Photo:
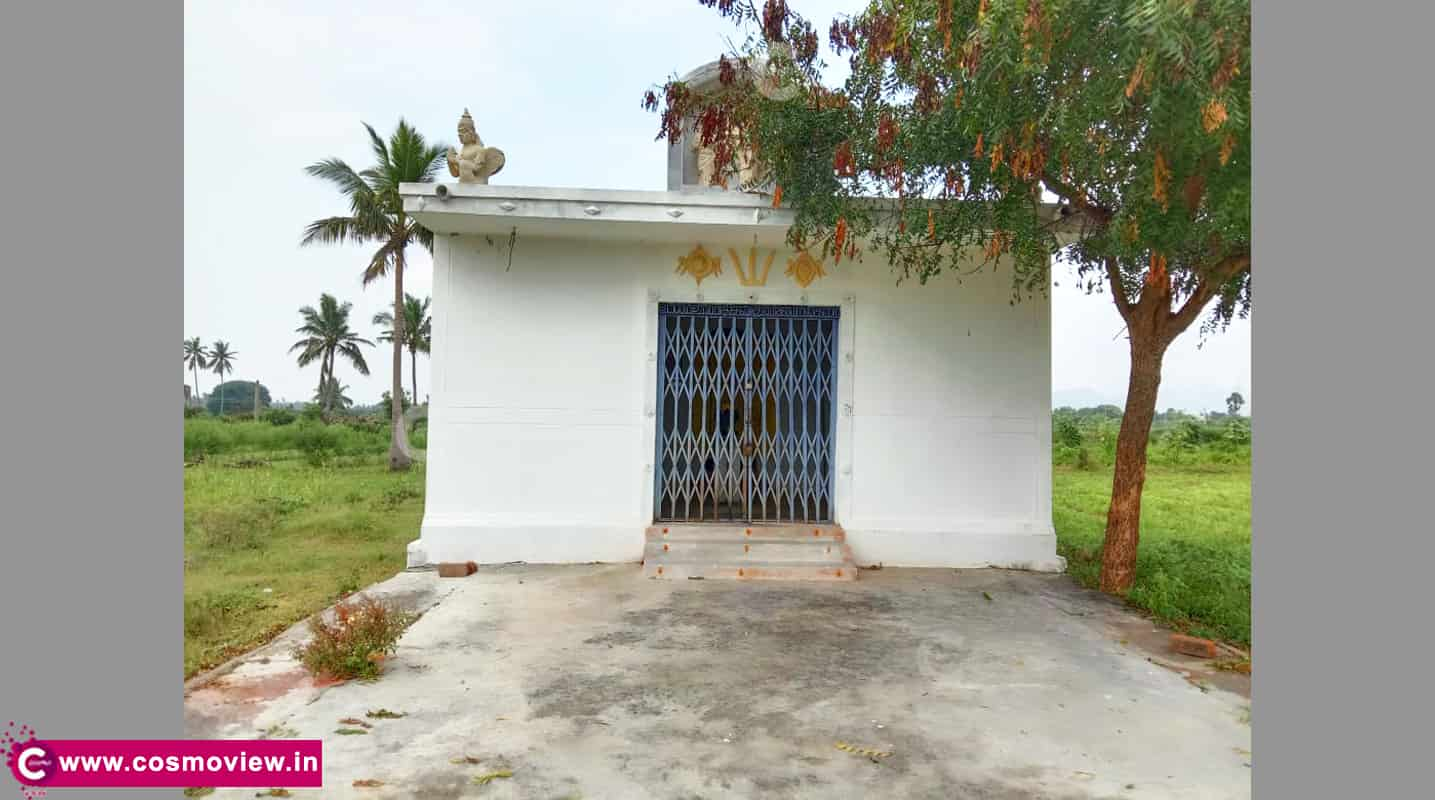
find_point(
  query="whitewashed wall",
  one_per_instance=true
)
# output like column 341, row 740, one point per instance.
column 541, row 435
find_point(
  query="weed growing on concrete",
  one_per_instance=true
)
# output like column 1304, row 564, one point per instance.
column 354, row 642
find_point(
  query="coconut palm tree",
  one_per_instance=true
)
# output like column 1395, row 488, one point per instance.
column 326, row 335
column 196, row 358
column 331, row 394
column 376, row 216
column 221, row 361
column 417, row 333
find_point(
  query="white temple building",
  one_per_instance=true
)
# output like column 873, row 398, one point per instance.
column 656, row 376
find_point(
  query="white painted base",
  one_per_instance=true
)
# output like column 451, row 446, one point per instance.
column 956, row 549
column 488, row 543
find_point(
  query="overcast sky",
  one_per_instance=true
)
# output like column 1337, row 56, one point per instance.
column 270, row 87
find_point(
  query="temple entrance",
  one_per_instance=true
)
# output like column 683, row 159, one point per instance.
column 745, row 417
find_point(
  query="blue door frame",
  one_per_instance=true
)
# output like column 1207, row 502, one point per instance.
column 746, row 413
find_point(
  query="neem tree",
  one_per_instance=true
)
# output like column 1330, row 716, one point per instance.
column 960, row 117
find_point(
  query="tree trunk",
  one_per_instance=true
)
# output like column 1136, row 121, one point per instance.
column 324, row 375
column 198, row 398
column 1123, row 519
column 219, row 389
column 414, row 372
column 399, row 456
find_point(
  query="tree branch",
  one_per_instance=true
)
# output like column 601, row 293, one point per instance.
column 1211, row 283
column 1118, row 289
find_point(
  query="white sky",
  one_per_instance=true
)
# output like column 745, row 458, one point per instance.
column 270, row 87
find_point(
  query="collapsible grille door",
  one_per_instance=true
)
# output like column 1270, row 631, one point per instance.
column 745, row 422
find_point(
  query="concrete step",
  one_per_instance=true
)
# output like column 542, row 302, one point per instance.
column 756, row 571
column 748, row 552
column 721, row 531
column 751, row 549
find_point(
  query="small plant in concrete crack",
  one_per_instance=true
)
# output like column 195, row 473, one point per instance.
column 355, row 641
column 279, row 731
column 384, row 713
column 485, row 778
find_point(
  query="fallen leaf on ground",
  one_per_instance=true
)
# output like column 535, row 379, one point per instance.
column 987, row 596
column 199, row 791
column 488, row 776
column 862, row 751
column 368, row 783
column 351, row 731
column 275, row 793
column 465, row 760
column 1242, row 666
column 355, row 722
column 384, row 713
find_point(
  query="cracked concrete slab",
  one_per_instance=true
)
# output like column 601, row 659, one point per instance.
column 589, row 681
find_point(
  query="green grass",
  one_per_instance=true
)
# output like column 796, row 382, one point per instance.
column 310, row 533
column 1193, row 567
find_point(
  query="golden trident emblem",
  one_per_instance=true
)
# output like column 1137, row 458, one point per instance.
column 749, row 276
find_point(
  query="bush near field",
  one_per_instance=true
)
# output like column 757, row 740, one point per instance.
column 302, row 435
column 1086, row 438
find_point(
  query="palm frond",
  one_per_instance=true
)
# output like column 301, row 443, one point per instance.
column 381, row 260
column 354, row 356
column 381, row 152
column 335, row 171
column 334, row 230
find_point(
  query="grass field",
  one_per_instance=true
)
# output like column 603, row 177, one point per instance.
column 311, row 534
column 307, row 534
column 1194, row 563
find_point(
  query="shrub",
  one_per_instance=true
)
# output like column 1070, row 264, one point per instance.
column 313, row 412
column 279, row 416
column 193, row 411
column 1067, row 432
column 354, row 641
column 317, row 441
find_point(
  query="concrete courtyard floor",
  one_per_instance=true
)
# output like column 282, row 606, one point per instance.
column 589, row 681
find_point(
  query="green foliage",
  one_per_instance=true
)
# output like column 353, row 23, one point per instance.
column 237, row 398
column 279, row 416
column 958, row 116
column 1086, row 438
column 1066, row 431
column 352, row 642
column 305, row 437
column 192, row 411
column 316, row 441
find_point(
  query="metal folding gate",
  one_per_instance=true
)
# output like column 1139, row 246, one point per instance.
column 746, row 413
